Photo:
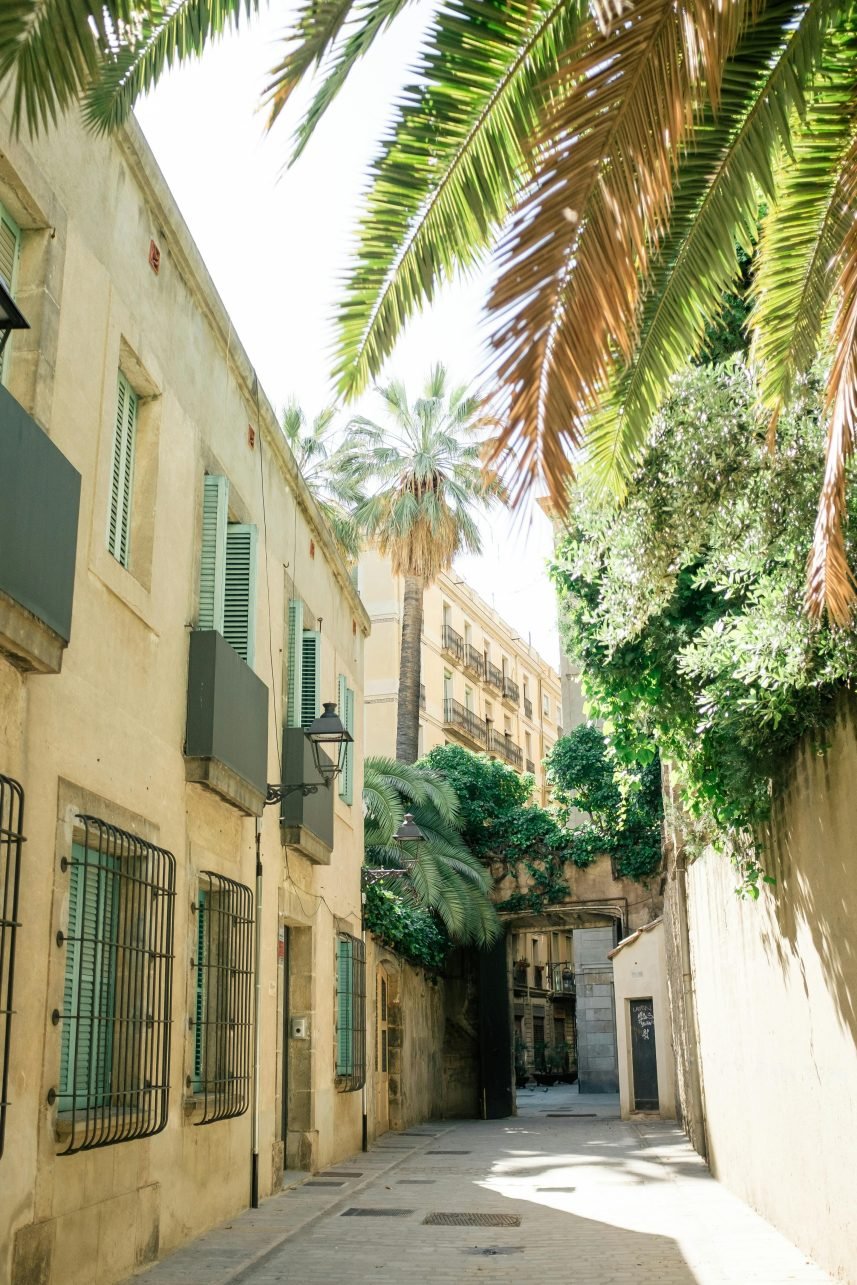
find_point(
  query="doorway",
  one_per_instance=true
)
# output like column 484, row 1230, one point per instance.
column 644, row 1061
column 382, row 1051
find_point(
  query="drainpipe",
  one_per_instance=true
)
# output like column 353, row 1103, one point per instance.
column 257, row 1034
column 364, row 1141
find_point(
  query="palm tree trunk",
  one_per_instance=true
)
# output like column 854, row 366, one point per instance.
column 408, row 719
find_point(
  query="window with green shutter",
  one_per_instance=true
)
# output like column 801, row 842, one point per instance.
column 303, row 703
column 122, row 472
column 10, row 249
column 350, row 1013
column 346, row 713
column 223, row 998
column 310, row 677
column 227, row 571
column 239, row 590
column 114, row 1044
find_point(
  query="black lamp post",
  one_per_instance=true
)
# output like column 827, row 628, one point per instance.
column 11, row 317
column 325, row 733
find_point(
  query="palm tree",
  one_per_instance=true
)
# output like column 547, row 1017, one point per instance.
column 323, row 465
column 613, row 153
column 439, row 873
column 424, row 468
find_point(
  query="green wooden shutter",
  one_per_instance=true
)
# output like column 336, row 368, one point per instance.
column 311, row 676
column 295, row 662
column 239, row 594
column 212, row 564
column 344, row 1008
column 10, row 247
column 346, row 713
column 86, row 1049
column 200, row 1000
column 122, row 472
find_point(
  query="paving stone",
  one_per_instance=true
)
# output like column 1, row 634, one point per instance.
column 600, row 1202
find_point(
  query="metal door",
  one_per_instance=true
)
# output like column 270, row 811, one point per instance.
column 382, row 1075
column 644, row 1063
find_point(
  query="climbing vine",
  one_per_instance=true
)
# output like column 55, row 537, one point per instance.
column 683, row 608
column 412, row 932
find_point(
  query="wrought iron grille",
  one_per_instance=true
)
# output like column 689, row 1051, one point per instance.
column 222, row 1018
column 117, row 1000
column 350, row 1013
column 11, row 842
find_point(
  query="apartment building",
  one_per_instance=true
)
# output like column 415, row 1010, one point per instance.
column 484, row 686
column 543, row 1001
column 173, row 614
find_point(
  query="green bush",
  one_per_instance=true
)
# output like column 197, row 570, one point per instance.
column 410, row 931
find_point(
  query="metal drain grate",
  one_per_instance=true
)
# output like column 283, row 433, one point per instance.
column 416, row 1182
column 376, row 1213
column 320, row 1182
column 571, row 1115
column 471, row 1220
column 488, row 1251
column 341, row 1173
column 413, row 1133
column 447, row 1153
column 564, row 1189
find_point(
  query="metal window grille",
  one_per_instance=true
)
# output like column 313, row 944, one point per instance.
column 11, row 842
column 115, row 1049
column 350, row 1013
column 222, row 1018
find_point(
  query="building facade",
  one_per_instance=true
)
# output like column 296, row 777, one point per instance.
column 484, row 686
column 172, row 614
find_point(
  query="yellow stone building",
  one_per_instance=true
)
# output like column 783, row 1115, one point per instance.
column 484, row 686
column 172, row 613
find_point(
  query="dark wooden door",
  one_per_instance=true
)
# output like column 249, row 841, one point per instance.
column 643, row 1056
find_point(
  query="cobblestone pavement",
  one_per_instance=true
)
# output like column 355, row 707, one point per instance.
column 583, row 1199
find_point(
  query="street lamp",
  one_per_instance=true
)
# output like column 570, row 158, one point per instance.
column 325, row 733
column 408, row 832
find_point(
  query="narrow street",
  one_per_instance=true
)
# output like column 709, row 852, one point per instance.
column 578, row 1196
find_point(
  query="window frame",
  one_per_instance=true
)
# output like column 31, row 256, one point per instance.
column 126, row 1097
column 12, row 840
column 350, row 1010
column 222, row 965
column 11, row 284
column 121, row 504
column 346, row 713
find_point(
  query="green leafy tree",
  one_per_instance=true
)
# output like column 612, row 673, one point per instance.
column 324, row 466
column 422, row 467
column 439, row 874
column 624, row 804
column 683, row 608
column 500, row 823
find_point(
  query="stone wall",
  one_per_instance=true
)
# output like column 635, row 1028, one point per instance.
column 596, row 1018
column 775, row 986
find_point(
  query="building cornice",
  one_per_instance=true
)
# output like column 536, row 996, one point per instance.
column 185, row 253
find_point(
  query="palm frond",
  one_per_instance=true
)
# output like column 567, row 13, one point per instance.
column 449, row 165
column 715, row 207
column 373, row 17
column 51, row 49
column 580, row 241
column 313, row 32
column 830, row 580
column 803, row 233
column 171, row 31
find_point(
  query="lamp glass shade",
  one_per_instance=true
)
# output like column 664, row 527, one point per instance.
column 409, row 831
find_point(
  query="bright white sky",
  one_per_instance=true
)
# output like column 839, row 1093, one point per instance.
column 276, row 244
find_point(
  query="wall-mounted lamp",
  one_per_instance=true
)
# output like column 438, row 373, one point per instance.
column 408, row 832
column 11, row 317
column 330, row 741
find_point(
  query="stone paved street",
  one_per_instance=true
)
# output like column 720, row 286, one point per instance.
column 597, row 1202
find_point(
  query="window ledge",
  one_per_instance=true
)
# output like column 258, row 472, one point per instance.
column 304, row 841
column 224, row 781
column 29, row 643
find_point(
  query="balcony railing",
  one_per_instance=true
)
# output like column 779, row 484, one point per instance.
column 520, row 973
column 528, row 707
column 474, row 660
column 511, row 691
column 464, row 721
column 453, row 642
column 531, row 767
column 504, row 747
column 493, row 676
column 562, row 979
